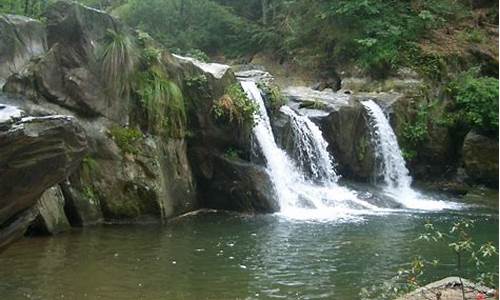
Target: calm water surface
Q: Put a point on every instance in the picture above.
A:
(224, 256)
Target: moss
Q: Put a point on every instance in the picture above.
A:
(89, 166)
(126, 138)
(314, 104)
(362, 148)
(90, 195)
(232, 153)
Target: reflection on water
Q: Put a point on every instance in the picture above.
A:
(220, 256)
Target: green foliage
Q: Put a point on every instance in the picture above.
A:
(197, 54)
(232, 153)
(475, 102)
(235, 106)
(196, 81)
(117, 58)
(126, 138)
(89, 166)
(462, 246)
(163, 102)
(189, 24)
(274, 96)
(417, 131)
(314, 104)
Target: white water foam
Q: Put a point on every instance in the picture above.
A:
(397, 179)
(300, 197)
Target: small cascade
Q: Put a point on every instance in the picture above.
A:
(311, 148)
(282, 170)
(393, 169)
(298, 196)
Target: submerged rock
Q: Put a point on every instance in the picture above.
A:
(37, 153)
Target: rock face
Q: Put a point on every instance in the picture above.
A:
(348, 135)
(238, 185)
(51, 217)
(130, 173)
(29, 147)
(480, 155)
(343, 122)
(21, 39)
(69, 75)
(223, 183)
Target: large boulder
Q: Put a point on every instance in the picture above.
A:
(235, 184)
(21, 38)
(69, 74)
(480, 155)
(346, 131)
(37, 153)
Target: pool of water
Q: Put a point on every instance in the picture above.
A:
(228, 256)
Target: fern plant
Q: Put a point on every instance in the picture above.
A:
(162, 101)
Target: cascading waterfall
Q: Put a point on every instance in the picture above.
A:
(298, 196)
(311, 148)
(396, 176)
(282, 171)
(393, 167)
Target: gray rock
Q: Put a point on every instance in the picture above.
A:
(238, 185)
(37, 153)
(21, 38)
(480, 154)
(51, 217)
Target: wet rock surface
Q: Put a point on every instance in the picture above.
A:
(29, 147)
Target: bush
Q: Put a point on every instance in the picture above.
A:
(274, 96)
(475, 102)
(162, 101)
(234, 105)
(126, 138)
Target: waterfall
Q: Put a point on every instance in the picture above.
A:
(298, 196)
(281, 169)
(397, 179)
(393, 168)
(311, 148)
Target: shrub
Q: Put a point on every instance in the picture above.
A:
(274, 96)
(475, 102)
(162, 101)
(234, 105)
(126, 138)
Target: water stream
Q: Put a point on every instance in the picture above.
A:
(392, 166)
(299, 195)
